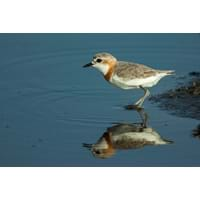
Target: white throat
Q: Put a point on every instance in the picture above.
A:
(103, 68)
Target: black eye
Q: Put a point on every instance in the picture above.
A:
(98, 60)
(97, 152)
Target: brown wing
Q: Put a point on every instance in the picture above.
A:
(128, 70)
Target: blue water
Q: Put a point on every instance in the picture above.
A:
(50, 105)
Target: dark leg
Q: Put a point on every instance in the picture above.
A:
(144, 116)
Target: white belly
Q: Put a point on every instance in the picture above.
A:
(135, 83)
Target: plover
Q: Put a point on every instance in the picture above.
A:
(125, 136)
(127, 75)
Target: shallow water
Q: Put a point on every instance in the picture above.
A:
(50, 105)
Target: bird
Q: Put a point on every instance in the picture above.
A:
(128, 75)
(124, 136)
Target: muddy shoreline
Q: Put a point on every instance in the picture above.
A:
(184, 100)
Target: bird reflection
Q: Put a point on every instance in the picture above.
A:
(123, 136)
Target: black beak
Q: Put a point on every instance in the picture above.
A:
(88, 146)
(88, 65)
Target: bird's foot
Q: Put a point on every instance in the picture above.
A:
(133, 107)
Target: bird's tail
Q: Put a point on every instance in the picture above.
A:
(167, 72)
(168, 141)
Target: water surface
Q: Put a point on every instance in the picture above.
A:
(50, 105)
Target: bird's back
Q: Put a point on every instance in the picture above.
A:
(129, 70)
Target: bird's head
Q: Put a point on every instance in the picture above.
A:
(103, 62)
(103, 148)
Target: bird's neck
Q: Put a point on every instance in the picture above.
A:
(107, 136)
(110, 71)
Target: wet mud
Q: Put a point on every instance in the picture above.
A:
(184, 100)
(196, 132)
